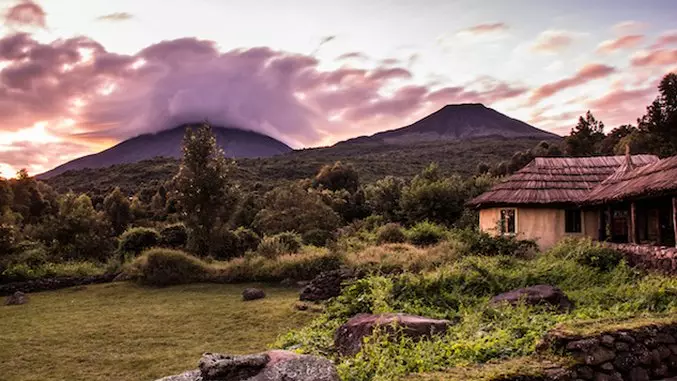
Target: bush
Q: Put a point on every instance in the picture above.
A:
(587, 253)
(8, 237)
(426, 233)
(317, 237)
(174, 236)
(482, 243)
(247, 239)
(279, 244)
(21, 272)
(136, 240)
(390, 233)
(225, 244)
(166, 267)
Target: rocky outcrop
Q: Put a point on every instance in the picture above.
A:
(348, 338)
(16, 298)
(269, 366)
(326, 285)
(48, 284)
(656, 258)
(535, 295)
(253, 294)
(641, 354)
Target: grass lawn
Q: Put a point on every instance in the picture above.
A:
(120, 331)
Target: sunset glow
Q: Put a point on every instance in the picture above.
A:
(316, 72)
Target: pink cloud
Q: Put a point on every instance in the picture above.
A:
(623, 42)
(26, 13)
(658, 57)
(586, 74)
(666, 39)
(484, 28)
(553, 41)
(117, 16)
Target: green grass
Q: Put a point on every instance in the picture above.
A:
(120, 331)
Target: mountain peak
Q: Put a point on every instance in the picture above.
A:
(460, 122)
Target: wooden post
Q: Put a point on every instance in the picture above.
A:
(632, 231)
(674, 217)
(608, 227)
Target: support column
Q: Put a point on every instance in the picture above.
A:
(632, 231)
(609, 215)
(674, 217)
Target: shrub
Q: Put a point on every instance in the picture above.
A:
(390, 233)
(21, 272)
(136, 240)
(426, 233)
(174, 236)
(8, 237)
(482, 243)
(587, 252)
(279, 244)
(225, 243)
(317, 237)
(166, 267)
(247, 239)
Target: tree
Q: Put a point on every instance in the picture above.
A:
(660, 120)
(383, 197)
(293, 208)
(609, 143)
(117, 208)
(337, 177)
(202, 186)
(431, 197)
(585, 137)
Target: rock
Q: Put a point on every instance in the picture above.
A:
(622, 347)
(625, 361)
(268, 366)
(607, 367)
(287, 282)
(599, 355)
(534, 295)
(326, 285)
(639, 374)
(348, 337)
(608, 341)
(253, 294)
(16, 298)
(312, 307)
(122, 277)
(585, 372)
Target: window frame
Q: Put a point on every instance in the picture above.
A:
(575, 223)
(503, 222)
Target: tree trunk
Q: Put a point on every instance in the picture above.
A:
(632, 232)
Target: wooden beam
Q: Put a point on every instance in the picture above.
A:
(609, 215)
(632, 231)
(674, 217)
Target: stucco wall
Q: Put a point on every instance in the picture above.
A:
(544, 225)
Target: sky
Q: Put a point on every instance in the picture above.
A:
(77, 77)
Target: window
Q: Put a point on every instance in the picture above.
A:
(507, 221)
(572, 221)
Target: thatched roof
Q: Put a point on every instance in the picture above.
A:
(555, 180)
(655, 179)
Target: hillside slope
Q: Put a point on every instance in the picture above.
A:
(236, 143)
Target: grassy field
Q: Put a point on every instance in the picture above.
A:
(120, 331)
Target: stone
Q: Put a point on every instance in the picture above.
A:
(599, 355)
(664, 352)
(585, 372)
(535, 295)
(275, 365)
(348, 337)
(625, 337)
(583, 345)
(607, 367)
(253, 294)
(638, 374)
(672, 362)
(608, 377)
(607, 340)
(660, 370)
(673, 349)
(287, 282)
(16, 298)
(621, 346)
(664, 338)
(326, 285)
(625, 361)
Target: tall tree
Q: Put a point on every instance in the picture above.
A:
(117, 208)
(660, 120)
(202, 186)
(585, 137)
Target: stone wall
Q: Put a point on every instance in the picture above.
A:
(53, 283)
(657, 258)
(640, 354)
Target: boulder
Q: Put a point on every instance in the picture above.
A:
(348, 337)
(535, 295)
(268, 366)
(16, 299)
(253, 294)
(326, 285)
